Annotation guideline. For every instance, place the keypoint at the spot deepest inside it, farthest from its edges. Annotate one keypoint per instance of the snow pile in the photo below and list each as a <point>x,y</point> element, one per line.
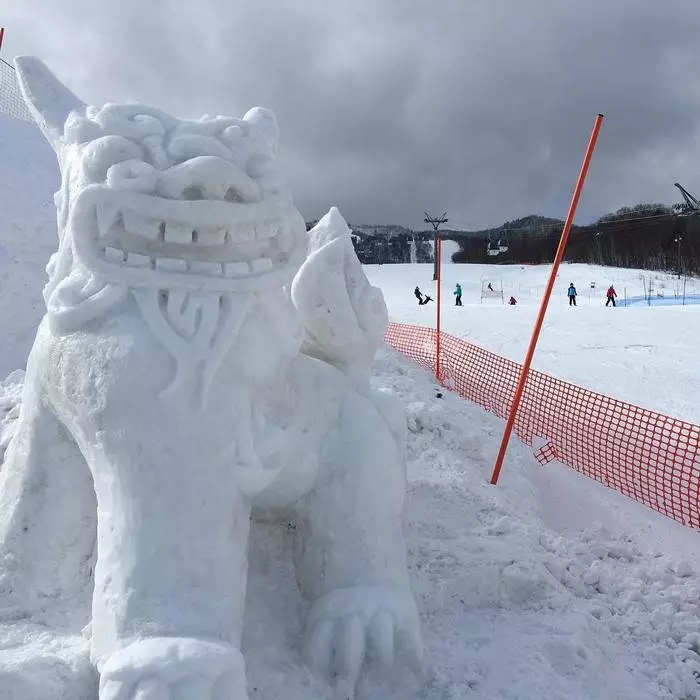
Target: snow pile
<point>528,611</point>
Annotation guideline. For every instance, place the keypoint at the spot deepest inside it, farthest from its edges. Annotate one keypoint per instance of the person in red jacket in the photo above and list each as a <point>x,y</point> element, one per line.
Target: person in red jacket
<point>611,294</point>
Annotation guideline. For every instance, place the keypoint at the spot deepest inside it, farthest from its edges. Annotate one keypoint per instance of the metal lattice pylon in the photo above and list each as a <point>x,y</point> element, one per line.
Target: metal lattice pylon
<point>11,100</point>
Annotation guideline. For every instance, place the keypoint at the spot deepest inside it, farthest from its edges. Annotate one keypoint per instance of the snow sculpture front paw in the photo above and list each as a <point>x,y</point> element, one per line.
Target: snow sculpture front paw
<point>164,668</point>
<point>351,626</point>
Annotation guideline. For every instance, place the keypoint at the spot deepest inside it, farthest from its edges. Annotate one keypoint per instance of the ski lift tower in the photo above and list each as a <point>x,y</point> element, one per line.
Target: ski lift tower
<point>692,206</point>
<point>435,223</point>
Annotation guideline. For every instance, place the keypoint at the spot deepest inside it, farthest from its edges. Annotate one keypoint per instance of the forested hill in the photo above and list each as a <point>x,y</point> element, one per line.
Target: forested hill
<point>643,236</point>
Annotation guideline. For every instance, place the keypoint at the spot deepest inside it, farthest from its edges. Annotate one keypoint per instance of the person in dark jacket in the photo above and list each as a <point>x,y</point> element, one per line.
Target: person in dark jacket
<point>571,293</point>
<point>512,301</point>
<point>611,294</point>
<point>422,300</point>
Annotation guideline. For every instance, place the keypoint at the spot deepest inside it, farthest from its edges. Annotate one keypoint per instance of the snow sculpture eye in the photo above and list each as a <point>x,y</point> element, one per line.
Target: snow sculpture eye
<point>101,154</point>
<point>134,175</point>
<point>234,137</point>
<point>189,146</point>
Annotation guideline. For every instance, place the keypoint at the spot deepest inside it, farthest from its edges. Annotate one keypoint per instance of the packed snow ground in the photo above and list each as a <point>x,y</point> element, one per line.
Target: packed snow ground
<point>644,355</point>
<point>527,591</point>
<point>548,587</point>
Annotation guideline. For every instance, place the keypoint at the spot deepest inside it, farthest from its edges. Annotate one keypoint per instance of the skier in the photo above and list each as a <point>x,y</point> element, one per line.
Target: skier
<point>611,294</point>
<point>571,293</point>
<point>490,288</point>
<point>458,294</point>
<point>512,301</point>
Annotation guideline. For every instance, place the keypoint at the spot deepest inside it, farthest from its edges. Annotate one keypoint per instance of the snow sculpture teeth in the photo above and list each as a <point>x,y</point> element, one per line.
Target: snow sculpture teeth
<point>114,255</point>
<point>107,216</point>
<point>178,234</point>
<point>260,265</point>
<point>138,260</point>
<point>235,269</point>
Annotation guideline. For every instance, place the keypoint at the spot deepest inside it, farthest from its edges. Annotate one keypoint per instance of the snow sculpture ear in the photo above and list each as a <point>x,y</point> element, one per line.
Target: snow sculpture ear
<point>345,317</point>
<point>265,121</point>
<point>49,100</point>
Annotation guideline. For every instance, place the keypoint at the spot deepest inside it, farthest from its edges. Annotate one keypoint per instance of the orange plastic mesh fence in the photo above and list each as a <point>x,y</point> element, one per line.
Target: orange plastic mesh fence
<point>650,457</point>
<point>11,100</point>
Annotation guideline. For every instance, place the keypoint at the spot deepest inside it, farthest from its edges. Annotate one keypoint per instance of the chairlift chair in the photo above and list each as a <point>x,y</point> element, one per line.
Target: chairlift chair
<point>493,248</point>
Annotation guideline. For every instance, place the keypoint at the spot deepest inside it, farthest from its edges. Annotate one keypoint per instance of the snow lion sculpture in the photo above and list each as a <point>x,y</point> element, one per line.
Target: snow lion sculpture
<point>202,357</point>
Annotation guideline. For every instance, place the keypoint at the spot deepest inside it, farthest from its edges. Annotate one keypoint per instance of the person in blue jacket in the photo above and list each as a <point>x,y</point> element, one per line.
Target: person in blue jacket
<point>571,293</point>
<point>458,294</point>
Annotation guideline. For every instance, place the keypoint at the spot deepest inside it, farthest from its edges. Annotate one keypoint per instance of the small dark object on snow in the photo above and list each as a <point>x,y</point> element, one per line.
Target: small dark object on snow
<point>438,395</point>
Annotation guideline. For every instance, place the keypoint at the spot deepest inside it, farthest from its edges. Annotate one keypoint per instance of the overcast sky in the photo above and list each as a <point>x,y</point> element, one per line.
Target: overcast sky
<point>391,107</point>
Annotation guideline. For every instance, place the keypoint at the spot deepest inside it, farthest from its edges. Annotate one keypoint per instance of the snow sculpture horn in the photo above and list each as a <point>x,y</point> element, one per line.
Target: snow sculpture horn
<point>49,100</point>
<point>192,370</point>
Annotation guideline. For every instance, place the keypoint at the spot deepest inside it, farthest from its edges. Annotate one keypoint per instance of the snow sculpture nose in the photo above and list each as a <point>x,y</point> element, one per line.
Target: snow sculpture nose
<point>208,177</point>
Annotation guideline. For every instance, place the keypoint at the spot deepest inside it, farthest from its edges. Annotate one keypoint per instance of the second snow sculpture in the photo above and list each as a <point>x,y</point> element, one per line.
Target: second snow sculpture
<point>194,365</point>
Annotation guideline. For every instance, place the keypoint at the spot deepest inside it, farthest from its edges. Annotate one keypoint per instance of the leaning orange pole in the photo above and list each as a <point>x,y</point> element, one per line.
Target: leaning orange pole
<point>545,300</point>
<point>438,256</point>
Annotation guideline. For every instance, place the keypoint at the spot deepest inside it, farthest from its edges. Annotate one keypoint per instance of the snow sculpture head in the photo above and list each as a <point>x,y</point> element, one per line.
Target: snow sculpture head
<point>192,217</point>
<point>153,201</point>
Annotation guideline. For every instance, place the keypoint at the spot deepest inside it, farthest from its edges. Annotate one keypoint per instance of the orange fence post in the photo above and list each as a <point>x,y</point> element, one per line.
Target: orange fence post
<point>438,257</point>
<point>545,300</point>
<point>2,36</point>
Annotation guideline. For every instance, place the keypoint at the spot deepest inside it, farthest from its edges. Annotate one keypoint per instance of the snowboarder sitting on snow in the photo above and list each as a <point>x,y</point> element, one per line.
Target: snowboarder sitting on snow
<point>512,301</point>
<point>611,294</point>
<point>422,300</point>
<point>458,294</point>
<point>571,293</point>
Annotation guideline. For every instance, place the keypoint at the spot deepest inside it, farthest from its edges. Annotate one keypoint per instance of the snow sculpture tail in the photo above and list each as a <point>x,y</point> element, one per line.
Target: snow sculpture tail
<point>344,316</point>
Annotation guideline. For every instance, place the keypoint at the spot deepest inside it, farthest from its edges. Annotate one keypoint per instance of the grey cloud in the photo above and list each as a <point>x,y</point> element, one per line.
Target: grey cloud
<point>388,108</point>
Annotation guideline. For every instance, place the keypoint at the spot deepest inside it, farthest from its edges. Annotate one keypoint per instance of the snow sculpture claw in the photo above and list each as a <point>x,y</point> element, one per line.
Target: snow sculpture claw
<point>349,627</point>
<point>202,359</point>
<point>174,669</point>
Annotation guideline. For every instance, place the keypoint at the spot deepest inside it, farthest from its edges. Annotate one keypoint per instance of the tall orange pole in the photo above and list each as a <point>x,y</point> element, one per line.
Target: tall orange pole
<point>545,300</point>
<point>438,258</point>
<point>2,36</point>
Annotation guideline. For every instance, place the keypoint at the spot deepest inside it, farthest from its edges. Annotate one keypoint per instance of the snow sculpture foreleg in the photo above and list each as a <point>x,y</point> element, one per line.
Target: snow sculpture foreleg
<point>171,574</point>
<point>351,559</point>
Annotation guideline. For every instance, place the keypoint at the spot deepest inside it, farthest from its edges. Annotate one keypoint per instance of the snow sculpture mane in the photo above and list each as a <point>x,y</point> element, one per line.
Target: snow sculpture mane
<point>202,359</point>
